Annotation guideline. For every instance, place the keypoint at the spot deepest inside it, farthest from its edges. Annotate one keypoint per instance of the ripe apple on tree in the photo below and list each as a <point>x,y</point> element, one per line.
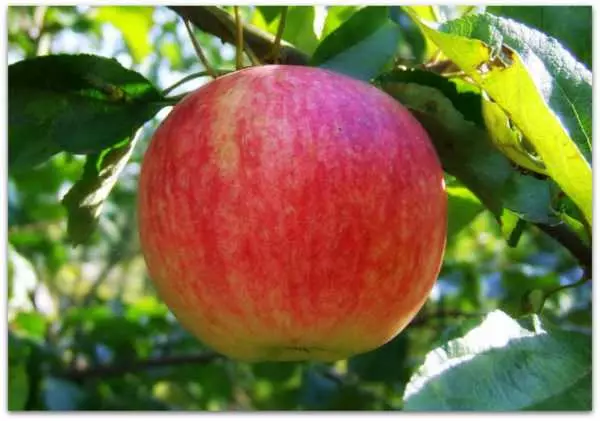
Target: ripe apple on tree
<point>292,213</point>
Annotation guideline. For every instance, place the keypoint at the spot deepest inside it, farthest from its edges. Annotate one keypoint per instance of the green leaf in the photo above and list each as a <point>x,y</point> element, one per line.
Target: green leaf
<point>317,390</point>
<point>464,147</point>
<point>336,16</point>
<point>61,395</point>
<point>361,46</point>
<point>81,104</point>
<point>502,73</point>
<point>505,365</point>
<point>270,13</point>
<point>463,207</point>
<point>387,363</point>
<point>298,29</point>
<point>30,325</point>
<point>509,140</point>
<point>85,199</point>
<point>134,22</point>
<point>18,380</point>
<point>576,36</point>
<point>565,84</point>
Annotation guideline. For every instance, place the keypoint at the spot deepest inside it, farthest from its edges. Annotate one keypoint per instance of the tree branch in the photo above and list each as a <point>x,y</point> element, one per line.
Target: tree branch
<point>103,371</point>
<point>221,24</point>
<point>571,242</point>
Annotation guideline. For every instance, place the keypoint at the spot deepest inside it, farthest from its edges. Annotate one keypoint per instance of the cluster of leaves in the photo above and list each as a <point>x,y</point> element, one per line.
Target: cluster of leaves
<point>505,94</point>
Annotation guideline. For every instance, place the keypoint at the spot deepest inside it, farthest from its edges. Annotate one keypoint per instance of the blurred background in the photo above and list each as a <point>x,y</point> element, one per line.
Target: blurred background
<point>86,330</point>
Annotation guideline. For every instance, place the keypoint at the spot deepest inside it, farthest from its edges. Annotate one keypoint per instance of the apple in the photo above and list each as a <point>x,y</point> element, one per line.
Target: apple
<point>292,213</point>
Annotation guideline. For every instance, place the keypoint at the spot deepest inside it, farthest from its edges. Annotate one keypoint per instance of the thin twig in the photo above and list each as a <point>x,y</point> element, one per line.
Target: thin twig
<point>257,43</point>
<point>198,49</point>
<point>583,280</point>
<point>569,240</point>
<point>103,371</point>
<point>274,54</point>
<point>239,39</point>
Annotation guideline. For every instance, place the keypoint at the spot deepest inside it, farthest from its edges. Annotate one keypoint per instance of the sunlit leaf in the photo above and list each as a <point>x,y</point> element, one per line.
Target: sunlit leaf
<point>576,36</point>
<point>463,207</point>
<point>85,199</point>
<point>134,22</point>
<point>506,79</point>
<point>503,365</point>
<point>298,29</point>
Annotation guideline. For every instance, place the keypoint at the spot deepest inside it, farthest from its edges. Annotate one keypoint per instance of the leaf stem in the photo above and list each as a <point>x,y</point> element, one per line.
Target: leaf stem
<point>239,38</point>
<point>192,76</point>
<point>198,49</point>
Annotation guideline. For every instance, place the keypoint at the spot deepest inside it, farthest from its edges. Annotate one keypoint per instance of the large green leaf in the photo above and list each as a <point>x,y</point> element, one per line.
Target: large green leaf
<point>80,104</point>
<point>134,22</point>
<point>576,36</point>
<point>361,46</point>
<point>504,76</point>
<point>505,365</point>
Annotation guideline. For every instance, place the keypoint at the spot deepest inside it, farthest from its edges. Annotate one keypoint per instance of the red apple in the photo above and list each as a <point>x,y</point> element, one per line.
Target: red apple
<point>292,213</point>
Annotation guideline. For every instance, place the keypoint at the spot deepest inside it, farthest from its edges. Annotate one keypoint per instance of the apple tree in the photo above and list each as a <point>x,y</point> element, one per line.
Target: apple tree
<point>503,92</point>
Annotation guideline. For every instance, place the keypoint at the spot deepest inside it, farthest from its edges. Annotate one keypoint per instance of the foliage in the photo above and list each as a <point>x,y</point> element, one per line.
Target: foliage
<point>505,94</point>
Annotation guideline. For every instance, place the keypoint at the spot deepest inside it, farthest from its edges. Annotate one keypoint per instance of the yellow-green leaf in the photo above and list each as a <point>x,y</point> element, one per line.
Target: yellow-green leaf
<point>504,77</point>
<point>134,22</point>
<point>507,139</point>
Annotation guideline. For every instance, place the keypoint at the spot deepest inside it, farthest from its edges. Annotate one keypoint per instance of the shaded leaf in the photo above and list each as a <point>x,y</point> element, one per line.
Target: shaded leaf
<point>85,199</point>
<point>503,365</point>
<point>384,364</point>
<point>465,148</point>
<point>18,380</point>
<point>317,390</point>
<point>81,104</point>
<point>361,46</point>
<point>61,395</point>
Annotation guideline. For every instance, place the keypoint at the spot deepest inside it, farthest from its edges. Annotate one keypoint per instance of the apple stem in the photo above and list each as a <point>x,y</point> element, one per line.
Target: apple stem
<point>239,39</point>
<point>198,49</point>
<point>274,54</point>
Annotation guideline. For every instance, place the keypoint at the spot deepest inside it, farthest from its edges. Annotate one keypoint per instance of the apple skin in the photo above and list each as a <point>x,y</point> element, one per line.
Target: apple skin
<point>292,213</point>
